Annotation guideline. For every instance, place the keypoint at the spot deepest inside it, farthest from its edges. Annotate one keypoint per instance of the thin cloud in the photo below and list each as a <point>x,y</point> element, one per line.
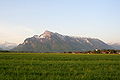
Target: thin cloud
<point>14,33</point>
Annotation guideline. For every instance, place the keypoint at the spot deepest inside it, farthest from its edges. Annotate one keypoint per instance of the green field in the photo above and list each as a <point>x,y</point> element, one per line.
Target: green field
<point>59,66</point>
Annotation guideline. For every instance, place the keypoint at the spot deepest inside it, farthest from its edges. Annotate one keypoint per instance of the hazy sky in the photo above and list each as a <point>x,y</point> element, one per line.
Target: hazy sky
<point>20,19</point>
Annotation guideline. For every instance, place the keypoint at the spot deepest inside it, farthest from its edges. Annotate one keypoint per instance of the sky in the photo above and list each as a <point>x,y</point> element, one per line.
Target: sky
<point>20,19</point>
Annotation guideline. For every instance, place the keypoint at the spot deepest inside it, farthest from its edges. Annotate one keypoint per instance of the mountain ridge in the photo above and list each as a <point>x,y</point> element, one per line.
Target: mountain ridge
<point>55,42</point>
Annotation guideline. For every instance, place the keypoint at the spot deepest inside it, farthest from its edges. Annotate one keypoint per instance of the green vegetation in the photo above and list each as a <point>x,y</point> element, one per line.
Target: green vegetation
<point>59,66</point>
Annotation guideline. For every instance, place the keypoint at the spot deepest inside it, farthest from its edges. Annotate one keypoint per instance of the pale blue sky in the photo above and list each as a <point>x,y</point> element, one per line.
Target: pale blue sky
<point>20,19</point>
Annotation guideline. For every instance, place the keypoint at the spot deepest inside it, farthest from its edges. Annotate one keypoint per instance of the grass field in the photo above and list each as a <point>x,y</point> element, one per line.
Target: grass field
<point>56,66</point>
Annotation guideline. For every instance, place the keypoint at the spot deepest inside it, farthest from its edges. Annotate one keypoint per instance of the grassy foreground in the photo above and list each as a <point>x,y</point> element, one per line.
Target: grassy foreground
<point>56,66</point>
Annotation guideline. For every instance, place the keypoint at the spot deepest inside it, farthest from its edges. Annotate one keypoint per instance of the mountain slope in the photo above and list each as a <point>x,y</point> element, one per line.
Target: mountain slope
<point>54,42</point>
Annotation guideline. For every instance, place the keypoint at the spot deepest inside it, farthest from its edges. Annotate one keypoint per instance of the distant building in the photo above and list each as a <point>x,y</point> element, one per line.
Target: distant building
<point>96,49</point>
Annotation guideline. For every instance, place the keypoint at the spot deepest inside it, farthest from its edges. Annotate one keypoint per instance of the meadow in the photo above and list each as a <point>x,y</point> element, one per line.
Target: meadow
<point>59,66</point>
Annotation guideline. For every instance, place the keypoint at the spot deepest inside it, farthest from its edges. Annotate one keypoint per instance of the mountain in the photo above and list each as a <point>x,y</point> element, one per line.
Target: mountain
<point>7,45</point>
<point>55,42</point>
<point>116,46</point>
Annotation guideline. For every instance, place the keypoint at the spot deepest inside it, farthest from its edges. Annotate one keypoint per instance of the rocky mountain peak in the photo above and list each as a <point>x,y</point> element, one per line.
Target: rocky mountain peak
<point>46,34</point>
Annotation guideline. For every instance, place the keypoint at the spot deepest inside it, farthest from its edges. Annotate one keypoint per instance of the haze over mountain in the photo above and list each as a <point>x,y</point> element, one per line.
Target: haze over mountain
<point>55,42</point>
<point>1,49</point>
<point>115,45</point>
<point>7,45</point>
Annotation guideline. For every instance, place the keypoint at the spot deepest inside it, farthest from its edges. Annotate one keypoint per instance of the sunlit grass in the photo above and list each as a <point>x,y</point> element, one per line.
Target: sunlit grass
<point>59,66</point>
